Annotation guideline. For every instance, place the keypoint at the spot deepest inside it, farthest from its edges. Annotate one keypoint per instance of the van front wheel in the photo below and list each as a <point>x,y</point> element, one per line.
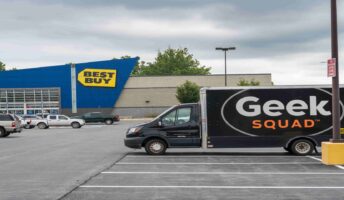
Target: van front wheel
<point>155,147</point>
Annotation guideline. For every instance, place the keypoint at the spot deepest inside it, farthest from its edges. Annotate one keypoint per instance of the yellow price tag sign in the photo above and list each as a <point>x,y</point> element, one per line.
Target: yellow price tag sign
<point>342,131</point>
<point>98,77</point>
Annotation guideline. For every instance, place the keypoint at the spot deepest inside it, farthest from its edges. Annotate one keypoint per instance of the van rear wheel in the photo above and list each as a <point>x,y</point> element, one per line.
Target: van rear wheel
<point>302,147</point>
<point>155,147</point>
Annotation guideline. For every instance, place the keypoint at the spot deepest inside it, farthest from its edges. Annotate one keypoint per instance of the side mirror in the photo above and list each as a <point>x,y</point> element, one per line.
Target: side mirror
<point>159,123</point>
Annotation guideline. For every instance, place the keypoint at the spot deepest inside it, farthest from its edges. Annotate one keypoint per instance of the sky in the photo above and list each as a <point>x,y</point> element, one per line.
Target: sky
<point>288,38</point>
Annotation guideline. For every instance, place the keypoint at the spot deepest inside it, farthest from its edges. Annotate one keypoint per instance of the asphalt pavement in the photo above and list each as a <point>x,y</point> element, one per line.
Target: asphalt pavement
<point>46,164</point>
<point>92,163</point>
<point>213,176</point>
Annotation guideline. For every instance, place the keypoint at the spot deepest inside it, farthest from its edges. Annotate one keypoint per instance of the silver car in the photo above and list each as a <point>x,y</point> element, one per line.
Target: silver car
<point>9,124</point>
<point>63,120</point>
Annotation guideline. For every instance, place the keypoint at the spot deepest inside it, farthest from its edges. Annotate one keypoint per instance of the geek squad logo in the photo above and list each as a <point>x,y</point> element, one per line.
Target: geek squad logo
<point>247,112</point>
<point>98,77</point>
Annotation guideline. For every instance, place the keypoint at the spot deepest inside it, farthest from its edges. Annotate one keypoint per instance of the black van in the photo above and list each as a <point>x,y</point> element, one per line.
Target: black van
<point>297,118</point>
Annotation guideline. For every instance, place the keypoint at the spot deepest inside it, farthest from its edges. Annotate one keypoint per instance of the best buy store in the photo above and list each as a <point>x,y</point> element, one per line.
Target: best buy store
<point>100,86</point>
<point>70,88</point>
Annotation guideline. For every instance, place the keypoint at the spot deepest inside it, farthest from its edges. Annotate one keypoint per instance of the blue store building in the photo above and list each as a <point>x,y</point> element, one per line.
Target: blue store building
<point>68,89</point>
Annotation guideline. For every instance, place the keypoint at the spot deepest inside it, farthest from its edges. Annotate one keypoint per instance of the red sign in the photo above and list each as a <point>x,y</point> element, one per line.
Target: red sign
<point>331,68</point>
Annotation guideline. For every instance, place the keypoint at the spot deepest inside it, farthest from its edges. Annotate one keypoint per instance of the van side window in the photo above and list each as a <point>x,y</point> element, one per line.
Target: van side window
<point>177,117</point>
<point>183,115</point>
<point>169,119</point>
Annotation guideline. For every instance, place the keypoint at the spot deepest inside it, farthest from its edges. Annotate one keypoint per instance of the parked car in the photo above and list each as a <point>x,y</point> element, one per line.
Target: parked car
<point>37,121</point>
<point>63,120</point>
<point>24,123</point>
<point>43,115</point>
<point>98,117</point>
<point>9,124</point>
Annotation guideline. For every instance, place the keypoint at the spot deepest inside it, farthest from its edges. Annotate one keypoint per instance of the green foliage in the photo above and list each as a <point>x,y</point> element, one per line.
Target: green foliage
<point>188,92</point>
<point>172,62</point>
<point>138,68</point>
<point>2,66</point>
<point>244,82</point>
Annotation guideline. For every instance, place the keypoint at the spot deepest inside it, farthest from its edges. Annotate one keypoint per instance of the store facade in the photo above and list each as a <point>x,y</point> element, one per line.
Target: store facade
<point>69,89</point>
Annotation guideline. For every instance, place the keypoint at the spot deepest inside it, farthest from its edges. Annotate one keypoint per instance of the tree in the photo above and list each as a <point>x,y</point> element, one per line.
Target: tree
<point>2,66</point>
<point>188,92</point>
<point>172,62</point>
<point>244,82</point>
<point>138,67</point>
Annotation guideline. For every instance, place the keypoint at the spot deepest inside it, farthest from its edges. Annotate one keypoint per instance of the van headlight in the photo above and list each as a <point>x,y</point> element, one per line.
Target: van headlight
<point>133,130</point>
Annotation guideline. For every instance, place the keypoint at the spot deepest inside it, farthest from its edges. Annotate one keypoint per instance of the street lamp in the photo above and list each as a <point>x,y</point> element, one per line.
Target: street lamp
<point>225,51</point>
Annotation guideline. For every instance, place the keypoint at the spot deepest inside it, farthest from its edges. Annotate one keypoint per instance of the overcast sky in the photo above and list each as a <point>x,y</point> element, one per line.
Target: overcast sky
<point>288,38</point>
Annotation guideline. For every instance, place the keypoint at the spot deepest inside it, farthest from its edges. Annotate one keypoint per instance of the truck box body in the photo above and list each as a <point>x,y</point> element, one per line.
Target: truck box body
<point>266,116</point>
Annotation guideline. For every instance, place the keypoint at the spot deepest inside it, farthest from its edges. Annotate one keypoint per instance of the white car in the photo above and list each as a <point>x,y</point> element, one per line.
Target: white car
<point>25,123</point>
<point>63,120</point>
<point>36,121</point>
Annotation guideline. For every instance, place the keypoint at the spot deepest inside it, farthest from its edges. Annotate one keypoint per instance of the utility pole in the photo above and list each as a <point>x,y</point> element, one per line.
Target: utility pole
<point>335,80</point>
<point>225,51</point>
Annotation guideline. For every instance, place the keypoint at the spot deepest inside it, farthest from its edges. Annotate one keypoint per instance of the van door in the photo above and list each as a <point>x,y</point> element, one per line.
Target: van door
<point>179,127</point>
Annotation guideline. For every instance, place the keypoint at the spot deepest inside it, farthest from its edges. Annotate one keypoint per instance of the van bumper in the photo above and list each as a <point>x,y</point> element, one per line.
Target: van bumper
<point>135,142</point>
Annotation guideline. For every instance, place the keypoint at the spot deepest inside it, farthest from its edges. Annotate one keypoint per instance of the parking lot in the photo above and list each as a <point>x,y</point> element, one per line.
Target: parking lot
<point>92,163</point>
<point>215,176</point>
<point>46,164</point>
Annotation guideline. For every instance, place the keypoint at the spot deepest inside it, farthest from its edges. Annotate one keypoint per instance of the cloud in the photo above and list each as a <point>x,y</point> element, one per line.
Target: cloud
<point>288,38</point>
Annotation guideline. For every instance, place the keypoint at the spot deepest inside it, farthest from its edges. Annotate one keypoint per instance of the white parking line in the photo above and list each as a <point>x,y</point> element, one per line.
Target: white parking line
<point>318,159</point>
<point>203,163</point>
<point>314,158</point>
<point>216,156</point>
<point>229,173</point>
<point>211,187</point>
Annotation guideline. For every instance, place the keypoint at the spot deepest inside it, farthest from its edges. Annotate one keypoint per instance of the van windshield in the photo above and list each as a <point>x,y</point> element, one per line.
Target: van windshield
<point>163,113</point>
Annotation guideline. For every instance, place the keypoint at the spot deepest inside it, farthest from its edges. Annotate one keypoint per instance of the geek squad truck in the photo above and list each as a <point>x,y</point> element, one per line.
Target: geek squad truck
<point>297,118</point>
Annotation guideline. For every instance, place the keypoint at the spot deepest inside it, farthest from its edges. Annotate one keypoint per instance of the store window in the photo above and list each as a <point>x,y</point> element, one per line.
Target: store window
<point>30,101</point>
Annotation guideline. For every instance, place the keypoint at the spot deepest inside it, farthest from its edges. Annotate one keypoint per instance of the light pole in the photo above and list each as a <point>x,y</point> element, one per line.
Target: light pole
<point>332,152</point>
<point>335,80</point>
<point>225,51</point>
